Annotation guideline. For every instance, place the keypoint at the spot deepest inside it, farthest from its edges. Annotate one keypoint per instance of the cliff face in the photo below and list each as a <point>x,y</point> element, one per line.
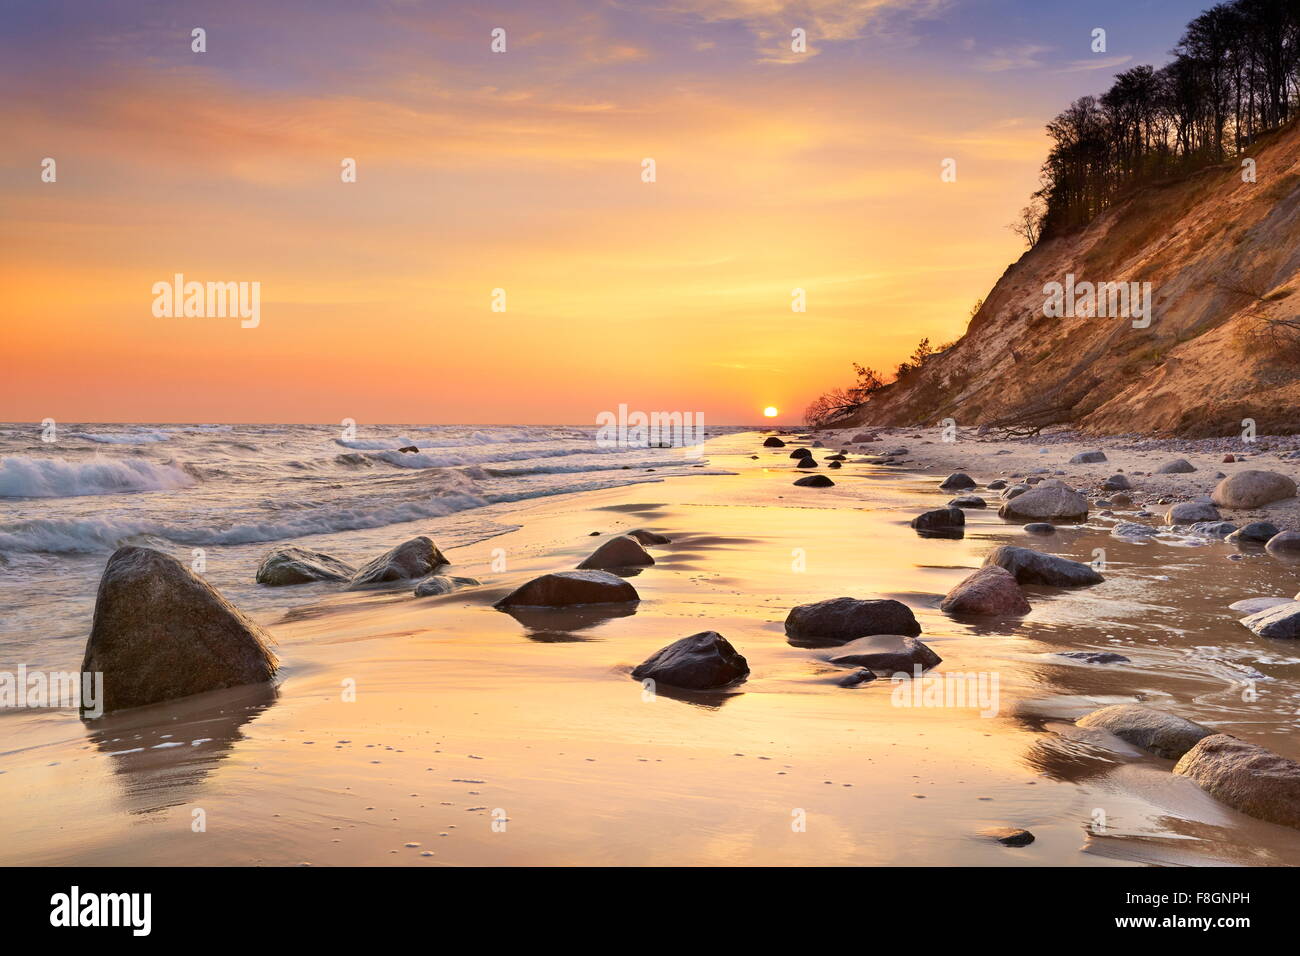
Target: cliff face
<point>1222,257</point>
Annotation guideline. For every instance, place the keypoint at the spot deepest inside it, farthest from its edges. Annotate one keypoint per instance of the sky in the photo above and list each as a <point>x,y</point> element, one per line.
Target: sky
<point>521,171</point>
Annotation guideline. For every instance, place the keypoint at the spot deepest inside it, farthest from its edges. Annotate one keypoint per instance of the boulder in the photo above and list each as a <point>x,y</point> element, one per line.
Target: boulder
<point>1015,491</point>
<point>886,654</point>
<point>1190,512</point>
<point>990,590</point>
<point>1246,777</point>
<point>648,537</point>
<point>834,464</point>
<point>838,620</point>
<point>801,453</point>
<point>1116,483</point>
<point>564,588</point>
<point>1256,532</point>
<point>1121,500</point>
<point>942,522</point>
<point>968,501</point>
<point>857,678</point>
<point>1156,732</point>
<point>1253,489</point>
<point>290,565</point>
<point>436,584</point>
<point>1050,500</point>
<point>1179,466</point>
<point>700,662</point>
<point>996,485</point>
<point>1284,542</point>
<point>161,632</point>
<point>1088,458</point>
<point>1034,567</point>
<point>773,442</point>
<point>815,481</point>
<point>1281,621</point>
<point>624,551</point>
<point>410,559</point>
<point>409,450</point>
<point>1213,529</point>
<point>863,437</point>
<point>1040,527</point>
<point>957,481</point>
<point>806,463</point>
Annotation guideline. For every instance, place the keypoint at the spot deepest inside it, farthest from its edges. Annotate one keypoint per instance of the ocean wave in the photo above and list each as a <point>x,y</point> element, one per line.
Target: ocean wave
<point>374,444</point>
<point>122,438</point>
<point>72,536</point>
<point>25,477</point>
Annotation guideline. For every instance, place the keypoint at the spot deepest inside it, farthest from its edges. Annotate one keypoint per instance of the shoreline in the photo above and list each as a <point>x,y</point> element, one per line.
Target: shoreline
<point>462,710</point>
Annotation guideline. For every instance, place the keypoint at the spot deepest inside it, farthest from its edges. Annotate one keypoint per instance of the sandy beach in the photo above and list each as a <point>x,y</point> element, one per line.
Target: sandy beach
<point>481,737</point>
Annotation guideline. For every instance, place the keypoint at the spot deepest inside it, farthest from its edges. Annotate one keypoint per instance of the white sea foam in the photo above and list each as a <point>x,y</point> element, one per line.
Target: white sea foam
<point>122,438</point>
<point>22,476</point>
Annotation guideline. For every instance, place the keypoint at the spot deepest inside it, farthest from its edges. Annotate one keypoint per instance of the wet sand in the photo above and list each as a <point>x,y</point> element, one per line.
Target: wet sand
<point>485,738</point>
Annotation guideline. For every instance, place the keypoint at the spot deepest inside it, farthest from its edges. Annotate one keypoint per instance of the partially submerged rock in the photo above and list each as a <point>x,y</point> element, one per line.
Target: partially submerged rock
<point>1253,489</point>
<point>1156,732</point>
<point>857,678</point>
<point>1008,836</point>
<point>1255,605</point>
<point>942,522</point>
<point>1246,777</point>
<point>290,565</point>
<point>808,462</point>
<point>702,661</point>
<point>1035,567</point>
<point>161,632</point>
<point>887,654</point>
<point>436,584</point>
<point>1095,657</point>
<point>773,442</point>
<point>621,552</point>
<point>1050,500</point>
<point>815,481</point>
<point>801,453</point>
<point>1284,542</point>
<point>1256,532</point>
<point>838,620</point>
<point>415,558</point>
<point>1281,622</point>
<point>991,590</point>
<point>648,537</point>
<point>1040,527</point>
<point>565,588</point>
<point>968,501</point>
<point>1133,529</point>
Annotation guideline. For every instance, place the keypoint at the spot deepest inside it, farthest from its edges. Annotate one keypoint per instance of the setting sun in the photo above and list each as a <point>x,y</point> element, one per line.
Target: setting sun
<point>770,411</point>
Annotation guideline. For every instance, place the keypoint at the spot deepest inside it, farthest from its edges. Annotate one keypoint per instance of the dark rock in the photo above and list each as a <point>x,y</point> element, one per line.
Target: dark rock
<point>161,632</point>
<point>834,464</point>
<point>1088,458</point>
<point>700,662</point>
<point>1257,532</point>
<point>564,588</point>
<point>773,442</point>
<point>1284,542</point>
<point>648,537</point>
<point>857,678</point>
<point>415,558</point>
<point>1009,836</point>
<point>1040,527</point>
<point>814,481</point>
<point>940,522</point>
<point>957,481</point>
<point>409,450</point>
<point>806,463</point>
<point>886,654</point>
<point>1190,512</point>
<point>621,552</point>
<point>1034,567</point>
<point>1213,529</point>
<point>838,620</point>
<point>989,591</point>
<point>1116,483</point>
<point>1246,777</point>
<point>997,485</point>
<point>290,565</point>
<point>968,501</point>
<point>801,453</point>
<point>1179,466</point>
<point>1096,657</point>
<point>1156,732</point>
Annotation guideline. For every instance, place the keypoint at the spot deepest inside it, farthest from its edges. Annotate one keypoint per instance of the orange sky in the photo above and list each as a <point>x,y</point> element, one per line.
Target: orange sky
<point>519,171</point>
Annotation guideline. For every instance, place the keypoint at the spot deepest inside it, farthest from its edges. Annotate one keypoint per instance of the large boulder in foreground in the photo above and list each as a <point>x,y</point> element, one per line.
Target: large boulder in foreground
<point>885,654</point>
<point>1052,500</point>
<point>565,588</point>
<point>410,559</point>
<point>161,632</point>
<point>703,661</point>
<point>1158,733</point>
<point>290,565</point>
<point>1034,567</point>
<point>990,590</point>
<point>1281,621</point>
<point>624,551</point>
<point>843,619</point>
<point>1246,777</point>
<point>1252,489</point>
